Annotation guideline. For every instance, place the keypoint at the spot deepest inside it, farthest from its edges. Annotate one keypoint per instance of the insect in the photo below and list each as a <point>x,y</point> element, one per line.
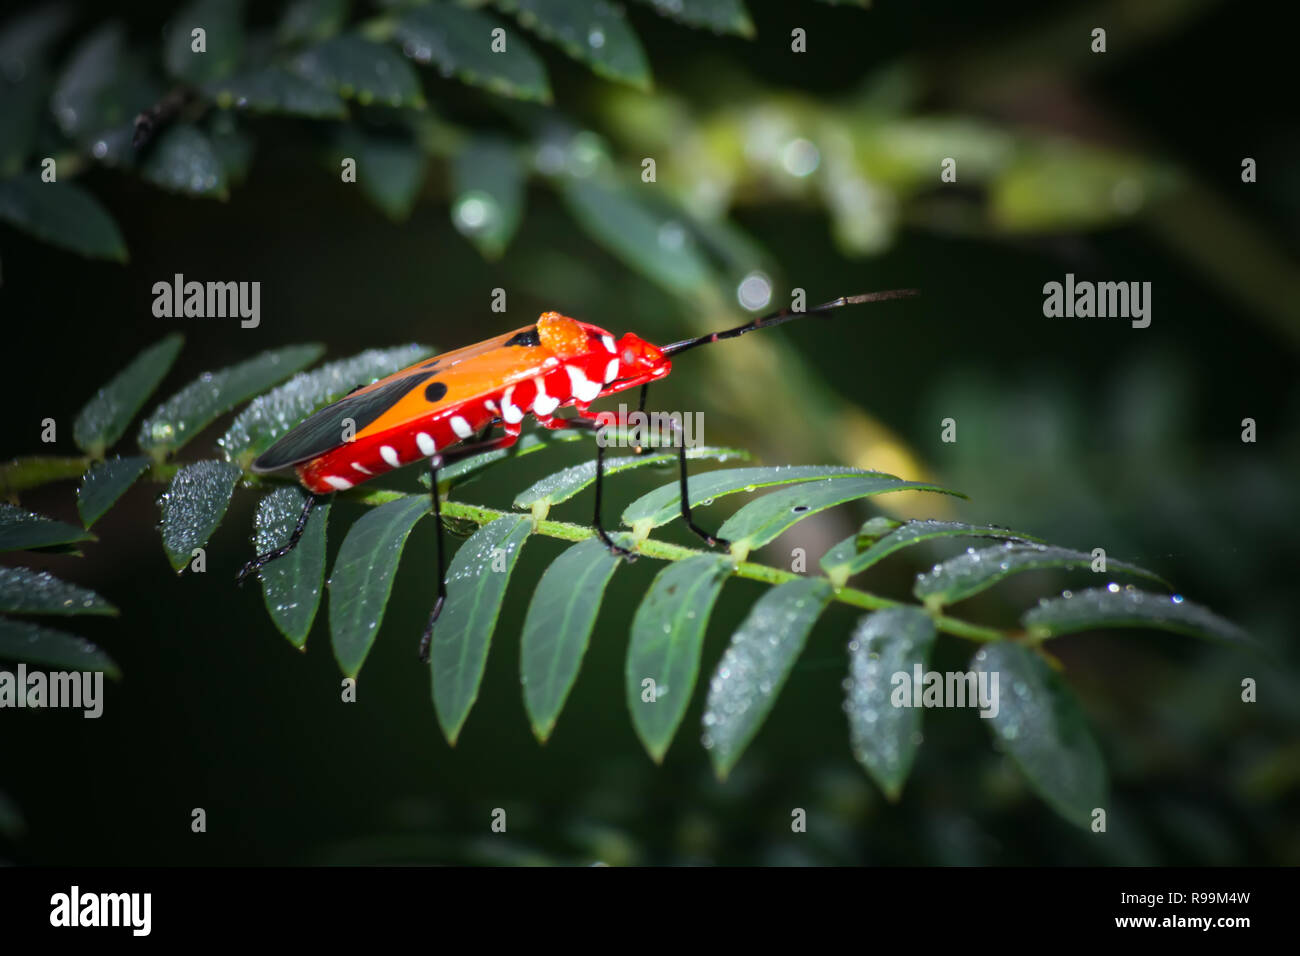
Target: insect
<point>430,411</point>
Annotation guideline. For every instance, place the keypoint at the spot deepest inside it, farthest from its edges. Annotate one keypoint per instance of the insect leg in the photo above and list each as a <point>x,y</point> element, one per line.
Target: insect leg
<point>680,440</point>
<point>427,637</point>
<point>640,449</point>
<point>262,559</point>
<point>436,462</point>
<point>592,424</point>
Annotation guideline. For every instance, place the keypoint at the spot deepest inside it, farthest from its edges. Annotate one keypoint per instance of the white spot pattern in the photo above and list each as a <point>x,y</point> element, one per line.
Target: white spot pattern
<point>342,484</point>
<point>427,445</point>
<point>389,454</point>
<point>461,427</point>
<point>584,389</point>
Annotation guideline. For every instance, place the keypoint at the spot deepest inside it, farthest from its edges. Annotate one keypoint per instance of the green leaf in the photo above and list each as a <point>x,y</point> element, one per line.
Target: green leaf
<point>233,147</point>
<point>720,16</point>
<point>563,485</point>
<point>390,167</point>
<point>291,585</point>
<point>667,638</point>
<point>761,521</point>
<point>273,89</point>
<point>362,578</point>
<point>104,483</point>
<point>487,178</point>
<point>845,559</point>
<point>183,160</point>
<point>22,104</point>
<point>1041,727</point>
<point>105,417</point>
<point>62,214</point>
<point>21,530</point>
<point>754,668</point>
<point>355,68</point>
<point>459,42</point>
<point>593,32</point>
<point>34,644</point>
<point>558,628</point>
<point>32,471</point>
<point>662,505</point>
<point>25,38</point>
<point>311,20</point>
<point>197,405</point>
<point>476,586</point>
<point>193,506</point>
<point>271,416</point>
<point>223,37</point>
<point>968,574</point>
<point>24,591</point>
<point>644,238</point>
<point>1096,608</point>
<point>883,734</point>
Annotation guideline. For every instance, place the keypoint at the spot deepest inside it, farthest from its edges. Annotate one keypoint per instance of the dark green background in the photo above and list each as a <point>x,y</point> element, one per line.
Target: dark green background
<point>1077,430</point>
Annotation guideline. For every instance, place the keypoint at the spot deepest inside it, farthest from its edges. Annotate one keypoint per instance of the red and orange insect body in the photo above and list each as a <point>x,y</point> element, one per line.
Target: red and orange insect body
<point>425,409</point>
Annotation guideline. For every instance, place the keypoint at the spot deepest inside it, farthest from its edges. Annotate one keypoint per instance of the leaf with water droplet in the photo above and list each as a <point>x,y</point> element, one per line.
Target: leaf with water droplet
<point>558,627</point>
<point>355,68</point>
<point>747,680</point>
<point>487,177</point>
<point>854,555</point>
<point>197,405</point>
<point>593,32</point>
<point>463,634</point>
<point>103,419</point>
<point>644,236</point>
<point>100,92</point>
<point>884,735</point>
<point>223,40</point>
<point>720,16</point>
<point>292,584</point>
<point>459,42</point>
<point>34,644</point>
<point>22,530</point>
<point>763,520</point>
<point>1041,726</point>
<point>667,639</point>
<point>390,166</point>
<point>24,591</point>
<point>183,160</point>
<point>193,506</point>
<point>274,89</point>
<point>104,483</point>
<point>362,579</point>
<point>662,505</point>
<point>62,214</point>
<point>1097,608</point>
<point>968,574</point>
<point>273,415</point>
<point>563,485</point>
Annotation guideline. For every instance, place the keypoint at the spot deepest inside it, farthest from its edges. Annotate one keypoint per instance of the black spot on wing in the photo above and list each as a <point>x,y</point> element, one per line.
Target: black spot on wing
<point>528,337</point>
<point>434,391</point>
<point>323,431</point>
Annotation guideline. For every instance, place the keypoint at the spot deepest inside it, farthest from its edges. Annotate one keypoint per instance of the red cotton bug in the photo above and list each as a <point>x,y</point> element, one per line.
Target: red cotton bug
<point>428,411</point>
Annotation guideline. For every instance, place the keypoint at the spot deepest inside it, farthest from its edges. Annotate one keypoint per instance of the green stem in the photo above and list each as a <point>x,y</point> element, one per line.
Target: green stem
<point>666,551</point>
<point>26,473</point>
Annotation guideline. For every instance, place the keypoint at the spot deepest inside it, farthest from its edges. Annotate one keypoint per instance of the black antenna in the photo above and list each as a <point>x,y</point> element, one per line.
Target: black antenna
<point>788,315</point>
